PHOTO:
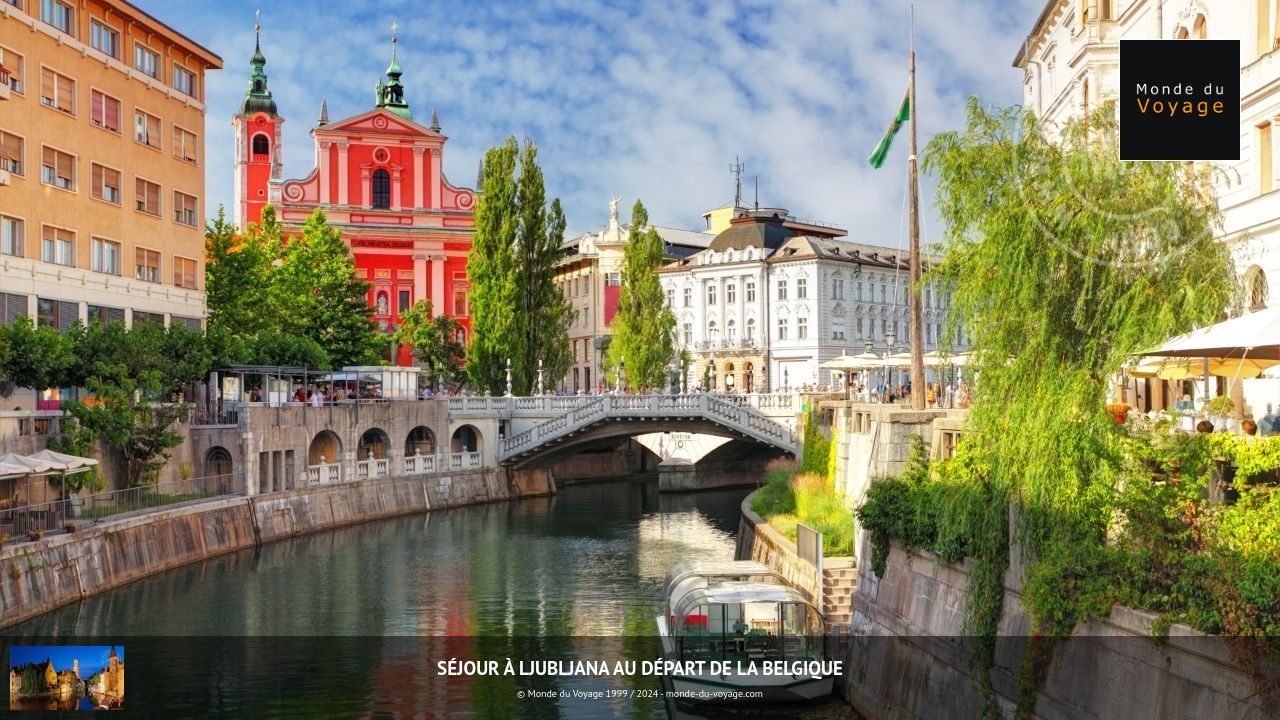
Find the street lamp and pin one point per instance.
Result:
(508, 377)
(539, 376)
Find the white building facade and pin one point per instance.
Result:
(773, 298)
(589, 274)
(1071, 65)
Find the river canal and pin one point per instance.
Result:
(352, 622)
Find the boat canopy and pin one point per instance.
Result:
(695, 574)
(746, 621)
(736, 593)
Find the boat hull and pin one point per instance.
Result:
(733, 688)
(752, 689)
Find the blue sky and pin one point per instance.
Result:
(645, 99)
(92, 657)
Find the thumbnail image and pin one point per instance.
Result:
(66, 677)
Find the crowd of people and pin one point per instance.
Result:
(936, 395)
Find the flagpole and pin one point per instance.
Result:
(917, 320)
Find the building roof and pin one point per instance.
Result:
(205, 53)
(257, 97)
(804, 247)
(675, 238)
(1045, 14)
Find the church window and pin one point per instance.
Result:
(261, 146)
(381, 188)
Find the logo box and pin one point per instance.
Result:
(1179, 99)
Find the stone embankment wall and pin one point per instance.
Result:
(757, 540)
(910, 660)
(64, 567)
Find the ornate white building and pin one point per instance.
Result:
(589, 274)
(772, 298)
(1071, 64)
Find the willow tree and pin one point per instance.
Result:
(1063, 262)
(643, 324)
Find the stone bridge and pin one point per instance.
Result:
(581, 422)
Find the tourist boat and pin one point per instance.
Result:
(727, 628)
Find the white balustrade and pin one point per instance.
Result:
(738, 412)
(324, 474)
(418, 464)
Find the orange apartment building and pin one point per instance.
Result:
(101, 165)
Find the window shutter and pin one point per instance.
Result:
(11, 306)
(114, 314)
(111, 107)
(66, 94)
(49, 158)
(98, 176)
(47, 87)
(97, 107)
(67, 168)
(68, 313)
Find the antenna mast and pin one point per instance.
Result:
(736, 169)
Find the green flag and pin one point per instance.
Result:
(904, 114)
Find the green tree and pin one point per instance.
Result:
(1062, 262)
(434, 339)
(318, 295)
(643, 326)
(238, 274)
(272, 348)
(543, 313)
(517, 312)
(489, 269)
(35, 357)
(122, 416)
(188, 358)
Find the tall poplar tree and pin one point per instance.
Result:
(319, 296)
(643, 324)
(543, 311)
(489, 267)
(517, 312)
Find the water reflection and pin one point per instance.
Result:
(350, 623)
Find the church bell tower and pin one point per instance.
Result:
(258, 136)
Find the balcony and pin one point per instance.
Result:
(4, 83)
(739, 345)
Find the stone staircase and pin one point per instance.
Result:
(839, 580)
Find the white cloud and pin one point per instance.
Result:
(650, 100)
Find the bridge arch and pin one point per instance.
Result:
(326, 447)
(466, 438)
(611, 433)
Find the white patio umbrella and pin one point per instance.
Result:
(34, 465)
(897, 360)
(12, 470)
(1256, 334)
(69, 464)
(861, 361)
(1238, 348)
